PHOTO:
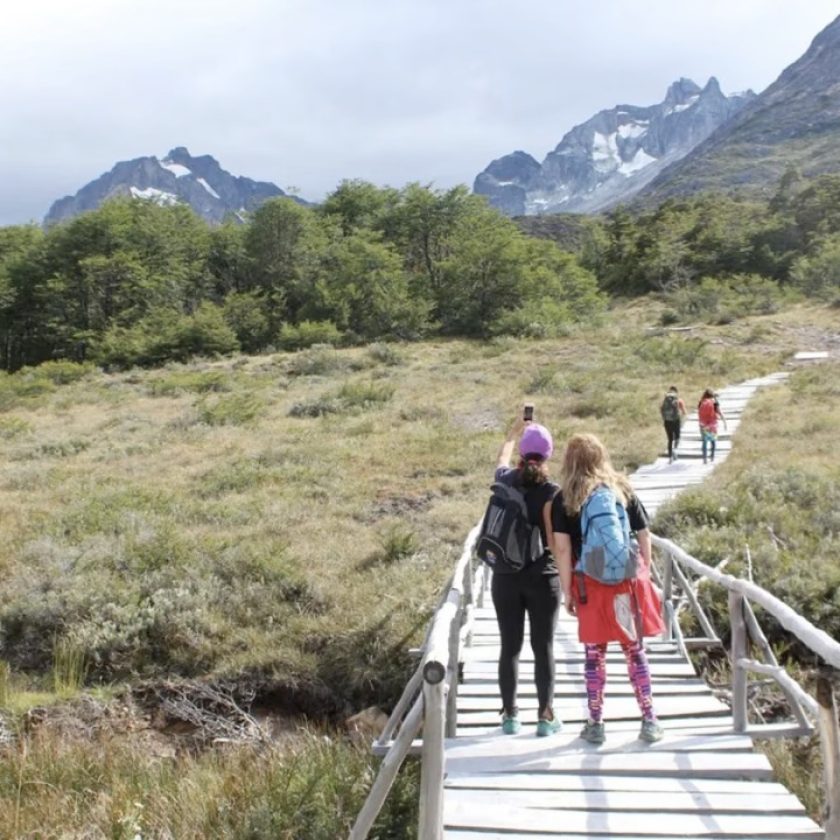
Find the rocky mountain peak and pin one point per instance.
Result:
(200, 181)
(795, 122)
(681, 91)
(611, 156)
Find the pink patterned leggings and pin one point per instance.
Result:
(596, 678)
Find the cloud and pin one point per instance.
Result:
(308, 92)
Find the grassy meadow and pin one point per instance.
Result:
(283, 524)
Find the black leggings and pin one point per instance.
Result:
(538, 594)
(672, 429)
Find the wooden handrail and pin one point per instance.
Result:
(744, 628)
(429, 686)
(817, 640)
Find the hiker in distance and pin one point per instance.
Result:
(672, 411)
(708, 414)
(603, 548)
(514, 541)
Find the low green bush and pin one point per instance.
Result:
(232, 410)
(198, 382)
(318, 360)
(307, 333)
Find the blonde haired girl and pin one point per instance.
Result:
(624, 612)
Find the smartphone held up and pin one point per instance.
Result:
(528, 412)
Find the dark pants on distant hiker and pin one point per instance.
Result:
(672, 430)
(536, 593)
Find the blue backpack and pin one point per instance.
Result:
(609, 553)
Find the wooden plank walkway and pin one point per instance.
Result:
(701, 780)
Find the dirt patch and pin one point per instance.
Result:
(398, 506)
(168, 718)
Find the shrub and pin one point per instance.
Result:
(233, 410)
(363, 395)
(397, 543)
(190, 381)
(307, 333)
(318, 360)
(12, 427)
(385, 354)
(722, 300)
(545, 318)
(165, 335)
(245, 314)
(672, 352)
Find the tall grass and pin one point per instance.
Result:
(241, 546)
(312, 785)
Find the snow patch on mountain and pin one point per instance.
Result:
(157, 196)
(176, 169)
(208, 187)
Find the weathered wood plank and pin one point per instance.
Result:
(524, 747)
(653, 762)
(500, 816)
(571, 688)
(684, 802)
(598, 784)
(618, 704)
(483, 711)
(712, 725)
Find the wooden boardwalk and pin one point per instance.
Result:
(701, 780)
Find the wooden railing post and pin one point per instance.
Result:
(388, 772)
(738, 629)
(431, 770)
(667, 597)
(452, 673)
(830, 745)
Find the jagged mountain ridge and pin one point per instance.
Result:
(795, 123)
(198, 181)
(610, 157)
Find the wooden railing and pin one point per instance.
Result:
(673, 569)
(428, 703)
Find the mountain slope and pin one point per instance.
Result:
(610, 157)
(794, 122)
(198, 181)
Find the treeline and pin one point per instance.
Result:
(137, 284)
(133, 283)
(715, 256)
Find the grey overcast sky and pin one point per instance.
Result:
(305, 93)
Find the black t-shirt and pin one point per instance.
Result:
(536, 497)
(564, 523)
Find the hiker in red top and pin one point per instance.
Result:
(708, 414)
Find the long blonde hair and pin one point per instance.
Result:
(586, 465)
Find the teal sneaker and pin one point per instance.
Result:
(593, 732)
(651, 731)
(548, 726)
(510, 724)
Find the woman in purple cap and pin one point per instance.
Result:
(535, 589)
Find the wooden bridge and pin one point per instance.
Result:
(704, 779)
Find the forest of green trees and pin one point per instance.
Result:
(133, 283)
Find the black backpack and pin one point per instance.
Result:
(508, 541)
(670, 409)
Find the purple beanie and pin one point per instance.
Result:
(536, 440)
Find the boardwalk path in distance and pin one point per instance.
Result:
(701, 780)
